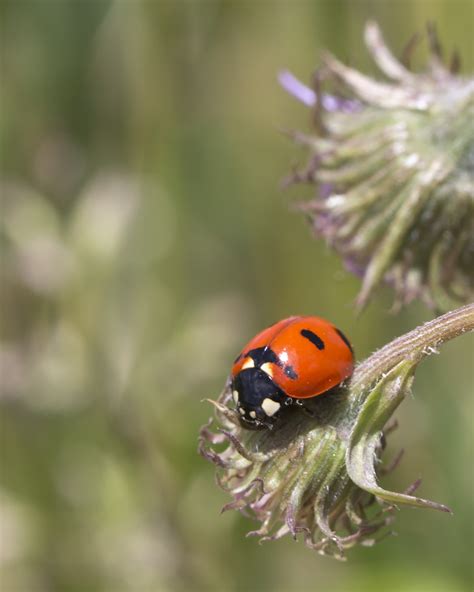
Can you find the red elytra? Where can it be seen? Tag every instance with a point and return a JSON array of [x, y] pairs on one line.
[[313, 355]]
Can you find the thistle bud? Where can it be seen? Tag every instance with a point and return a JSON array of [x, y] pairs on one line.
[[316, 475], [393, 164]]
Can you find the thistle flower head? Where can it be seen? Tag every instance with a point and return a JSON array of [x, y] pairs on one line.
[[317, 477], [393, 163]]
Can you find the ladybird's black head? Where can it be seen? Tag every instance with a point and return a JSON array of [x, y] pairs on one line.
[[257, 397]]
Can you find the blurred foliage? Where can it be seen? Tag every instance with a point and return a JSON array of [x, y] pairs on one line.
[[144, 239]]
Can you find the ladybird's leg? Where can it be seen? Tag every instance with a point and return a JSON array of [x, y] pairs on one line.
[[261, 423], [306, 410], [299, 403]]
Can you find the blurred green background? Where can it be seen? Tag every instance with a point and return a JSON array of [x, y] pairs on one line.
[[144, 239]]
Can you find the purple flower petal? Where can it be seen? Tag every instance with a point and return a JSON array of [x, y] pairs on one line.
[[296, 88], [334, 103], [306, 95]]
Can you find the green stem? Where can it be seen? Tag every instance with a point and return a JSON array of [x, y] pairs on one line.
[[416, 344]]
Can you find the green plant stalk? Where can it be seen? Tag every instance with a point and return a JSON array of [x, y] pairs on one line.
[[414, 346]]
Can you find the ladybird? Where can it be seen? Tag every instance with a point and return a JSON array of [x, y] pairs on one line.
[[295, 359]]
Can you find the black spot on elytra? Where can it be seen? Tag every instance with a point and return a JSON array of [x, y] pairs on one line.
[[263, 355], [315, 339], [289, 371], [344, 338]]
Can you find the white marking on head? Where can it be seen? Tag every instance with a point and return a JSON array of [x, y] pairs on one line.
[[283, 357], [267, 368], [270, 407], [241, 411], [235, 396], [249, 363], [253, 415]]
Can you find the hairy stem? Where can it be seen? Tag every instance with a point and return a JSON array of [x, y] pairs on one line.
[[416, 344]]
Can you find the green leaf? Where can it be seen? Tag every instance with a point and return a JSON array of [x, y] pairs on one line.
[[384, 398]]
